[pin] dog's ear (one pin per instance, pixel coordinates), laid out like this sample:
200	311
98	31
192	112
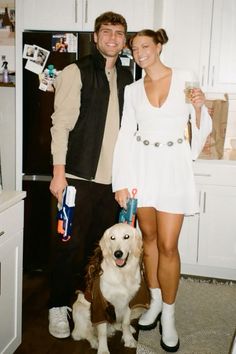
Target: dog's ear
103	243
138	243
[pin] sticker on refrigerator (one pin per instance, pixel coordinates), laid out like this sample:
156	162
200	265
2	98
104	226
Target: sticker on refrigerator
30	52
47	78
64	42
37	63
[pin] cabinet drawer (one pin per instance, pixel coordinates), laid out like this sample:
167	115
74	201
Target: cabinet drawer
215	172
11	221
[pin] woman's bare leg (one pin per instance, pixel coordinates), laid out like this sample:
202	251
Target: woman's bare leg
148	225
160	232
169	227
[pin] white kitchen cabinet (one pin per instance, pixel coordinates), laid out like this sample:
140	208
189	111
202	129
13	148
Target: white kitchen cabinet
7	137
79	15
11	251
188	241
217	227
201	38
222	65
51	15
138	13
207	241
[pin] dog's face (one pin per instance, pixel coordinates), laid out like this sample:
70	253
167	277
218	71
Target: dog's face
120	242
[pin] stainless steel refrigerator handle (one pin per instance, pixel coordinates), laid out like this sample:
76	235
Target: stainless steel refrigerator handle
76	11
203	75
202	174
204	203
86	12
39	178
213	74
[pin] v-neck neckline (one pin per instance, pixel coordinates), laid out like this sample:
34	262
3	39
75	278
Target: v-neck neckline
167	96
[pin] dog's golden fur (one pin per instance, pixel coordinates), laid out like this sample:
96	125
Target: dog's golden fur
115	270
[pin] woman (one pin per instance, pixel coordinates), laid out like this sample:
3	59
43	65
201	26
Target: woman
153	155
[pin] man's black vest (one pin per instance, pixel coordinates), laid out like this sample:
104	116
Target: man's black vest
85	140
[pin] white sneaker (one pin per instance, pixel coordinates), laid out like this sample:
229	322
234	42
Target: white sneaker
58	322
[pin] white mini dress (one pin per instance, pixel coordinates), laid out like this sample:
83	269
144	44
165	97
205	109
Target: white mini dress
152	154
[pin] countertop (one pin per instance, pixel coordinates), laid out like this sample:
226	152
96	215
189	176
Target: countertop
216	162
9	198
7	84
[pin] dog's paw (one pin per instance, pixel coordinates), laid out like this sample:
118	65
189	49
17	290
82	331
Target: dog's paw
132	329
111	330
75	335
130	342
117	326
93	342
103	351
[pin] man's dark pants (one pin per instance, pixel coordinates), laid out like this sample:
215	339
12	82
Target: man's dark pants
95	211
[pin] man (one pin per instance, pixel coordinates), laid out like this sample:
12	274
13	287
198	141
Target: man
85	123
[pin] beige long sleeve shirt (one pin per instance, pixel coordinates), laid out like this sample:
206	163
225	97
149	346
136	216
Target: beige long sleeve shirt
66	112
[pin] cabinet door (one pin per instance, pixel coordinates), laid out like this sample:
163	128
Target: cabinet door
138	13
217	228
52	15
222	70
201	38
7	137
188	24
11	293
188	240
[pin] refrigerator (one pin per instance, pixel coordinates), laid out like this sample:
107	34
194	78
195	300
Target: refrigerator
40	205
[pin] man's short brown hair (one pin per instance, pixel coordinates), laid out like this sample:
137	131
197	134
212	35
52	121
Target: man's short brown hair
110	18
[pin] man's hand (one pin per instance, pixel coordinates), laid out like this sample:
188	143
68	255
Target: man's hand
58	182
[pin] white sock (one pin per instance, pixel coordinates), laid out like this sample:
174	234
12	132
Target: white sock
169	333
155	308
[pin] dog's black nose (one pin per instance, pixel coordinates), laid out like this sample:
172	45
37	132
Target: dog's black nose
118	254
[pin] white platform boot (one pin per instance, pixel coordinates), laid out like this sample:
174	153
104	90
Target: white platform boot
149	319
169	336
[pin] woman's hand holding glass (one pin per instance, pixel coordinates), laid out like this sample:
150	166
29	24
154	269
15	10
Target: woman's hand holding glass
198	98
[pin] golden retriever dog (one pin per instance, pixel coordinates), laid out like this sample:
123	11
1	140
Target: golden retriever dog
114	285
